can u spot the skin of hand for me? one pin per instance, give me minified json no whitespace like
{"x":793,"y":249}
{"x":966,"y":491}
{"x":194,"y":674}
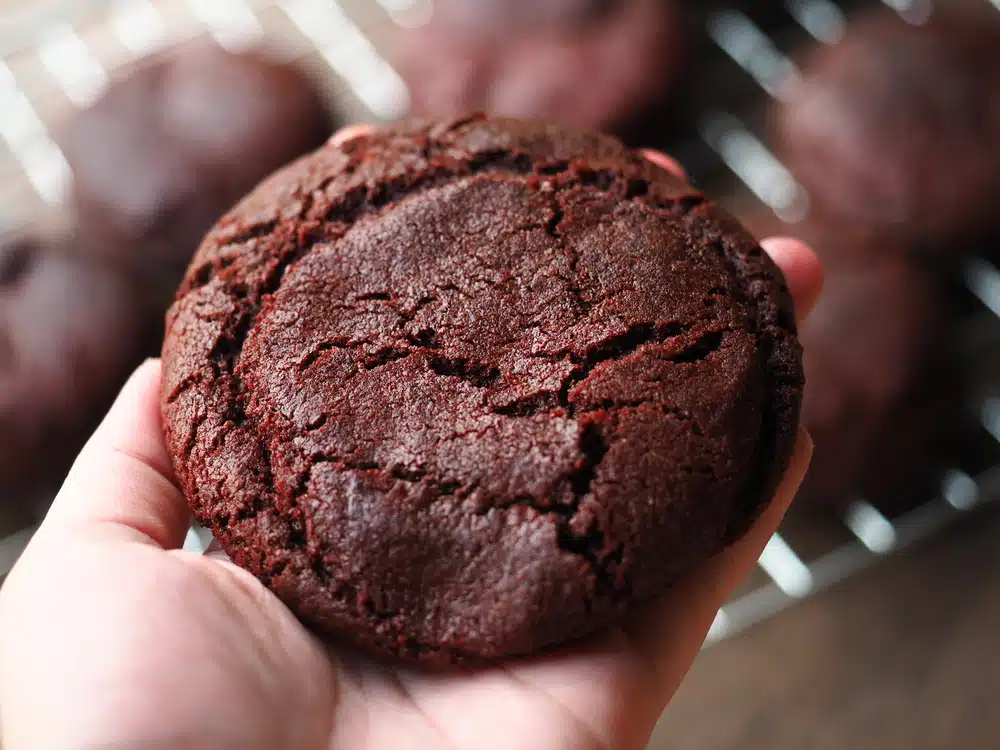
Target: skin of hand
{"x":111,"y":637}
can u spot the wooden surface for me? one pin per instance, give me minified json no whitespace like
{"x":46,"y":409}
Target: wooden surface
{"x":905,"y":656}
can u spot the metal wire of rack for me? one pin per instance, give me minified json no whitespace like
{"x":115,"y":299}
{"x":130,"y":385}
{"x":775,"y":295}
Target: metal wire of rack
{"x":62,"y":55}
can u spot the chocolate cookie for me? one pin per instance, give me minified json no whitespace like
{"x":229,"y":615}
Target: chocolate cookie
{"x":586,"y":63}
{"x":70,"y":333}
{"x":500,"y":17}
{"x":174,"y":145}
{"x":466,"y":390}
{"x":883,"y":396}
{"x":880,"y":401}
{"x":897,"y":128}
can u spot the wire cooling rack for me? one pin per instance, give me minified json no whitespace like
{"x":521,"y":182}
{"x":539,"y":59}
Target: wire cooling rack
{"x":58,"y":56}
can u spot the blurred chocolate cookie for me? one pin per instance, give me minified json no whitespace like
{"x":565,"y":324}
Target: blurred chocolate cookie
{"x":70,"y":333}
{"x":897,"y":128}
{"x":489,"y":17}
{"x":880,"y":399}
{"x":883,"y":396}
{"x":168,"y":149}
{"x":585,"y":63}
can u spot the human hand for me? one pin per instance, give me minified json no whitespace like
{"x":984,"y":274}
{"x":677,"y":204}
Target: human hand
{"x":112,"y":637}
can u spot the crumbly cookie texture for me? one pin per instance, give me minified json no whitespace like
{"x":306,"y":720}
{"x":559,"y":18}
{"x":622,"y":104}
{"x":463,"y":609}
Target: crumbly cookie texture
{"x":466,"y":390}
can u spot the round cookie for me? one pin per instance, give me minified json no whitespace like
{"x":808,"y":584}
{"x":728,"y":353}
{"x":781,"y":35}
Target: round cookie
{"x":585,"y":63}
{"x":466,"y":390}
{"x":897,"y":128}
{"x":500,"y":17}
{"x":171,"y":147}
{"x":883,"y":399}
{"x":70,"y":333}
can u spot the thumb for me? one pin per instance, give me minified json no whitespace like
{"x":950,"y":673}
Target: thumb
{"x":122,"y":482}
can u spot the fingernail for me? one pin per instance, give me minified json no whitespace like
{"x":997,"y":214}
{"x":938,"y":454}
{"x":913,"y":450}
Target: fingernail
{"x":665,"y":162}
{"x":349,"y":133}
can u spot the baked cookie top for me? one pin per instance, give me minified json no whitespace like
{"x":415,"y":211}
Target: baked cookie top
{"x":465,"y":390}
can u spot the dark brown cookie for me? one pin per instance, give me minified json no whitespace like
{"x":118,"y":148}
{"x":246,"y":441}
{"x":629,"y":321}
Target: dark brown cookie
{"x":586,"y":63}
{"x":881,"y":400}
{"x":467,"y":390}
{"x":897,"y":128}
{"x":883,"y":397}
{"x":70,"y":333}
{"x":500,"y":17}
{"x":174,"y":145}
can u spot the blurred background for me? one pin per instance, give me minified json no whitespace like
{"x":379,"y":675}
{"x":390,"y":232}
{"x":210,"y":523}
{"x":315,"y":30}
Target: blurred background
{"x":869,"y":128}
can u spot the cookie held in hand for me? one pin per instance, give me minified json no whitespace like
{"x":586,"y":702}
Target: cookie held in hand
{"x":466,"y":390}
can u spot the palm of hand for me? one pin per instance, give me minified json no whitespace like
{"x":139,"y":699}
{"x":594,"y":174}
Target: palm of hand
{"x":190,"y":651}
{"x":111,"y":637}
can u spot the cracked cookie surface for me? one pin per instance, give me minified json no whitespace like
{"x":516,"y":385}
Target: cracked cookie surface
{"x":465,"y":390}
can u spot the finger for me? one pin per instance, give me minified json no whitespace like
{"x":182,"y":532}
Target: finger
{"x":349,"y":133}
{"x":802,"y":268}
{"x":669,"y":634}
{"x":122,"y":480}
{"x":663,"y":161}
